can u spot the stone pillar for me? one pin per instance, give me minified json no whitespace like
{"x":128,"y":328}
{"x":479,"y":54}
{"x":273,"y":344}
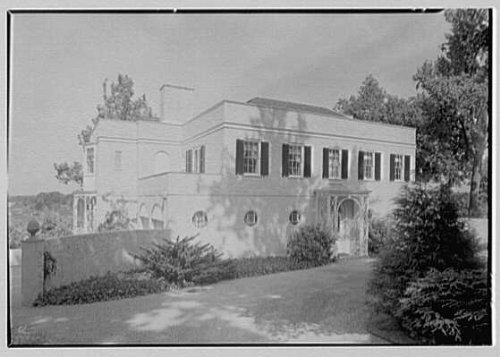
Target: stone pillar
{"x":32,"y":269}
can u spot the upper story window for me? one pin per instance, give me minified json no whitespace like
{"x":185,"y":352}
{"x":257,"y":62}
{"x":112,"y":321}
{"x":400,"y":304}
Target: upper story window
{"x":399,"y":167}
{"x":118,"y":160}
{"x":252,"y":157}
{"x":195,"y":160}
{"x":335,"y":163}
{"x":369,"y":164}
{"x":90,"y":160}
{"x":296,"y":160}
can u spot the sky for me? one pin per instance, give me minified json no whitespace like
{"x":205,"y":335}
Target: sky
{"x":59,"y":62}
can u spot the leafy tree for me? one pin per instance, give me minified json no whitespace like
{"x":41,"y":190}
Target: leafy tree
{"x":375,"y":104}
{"x":117,"y":104}
{"x":67,"y":173}
{"x":454,"y":91}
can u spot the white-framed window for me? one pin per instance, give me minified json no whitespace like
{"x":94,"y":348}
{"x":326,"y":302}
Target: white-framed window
{"x":398,"y":167}
{"x":118,"y":160}
{"x":251,"y":218}
{"x":334,"y":163}
{"x":368,"y":165}
{"x":295,"y":217}
{"x":251,"y":158}
{"x":295,"y":160}
{"x":90,"y":160}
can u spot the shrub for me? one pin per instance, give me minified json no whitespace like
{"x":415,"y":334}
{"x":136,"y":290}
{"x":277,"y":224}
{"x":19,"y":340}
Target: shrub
{"x":429,"y":235}
{"x":379,"y":233}
{"x":180,"y":262}
{"x":448,"y":307}
{"x":256,"y":266}
{"x":310,"y":244}
{"x":115,"y":220}
{"x":112,"y":286}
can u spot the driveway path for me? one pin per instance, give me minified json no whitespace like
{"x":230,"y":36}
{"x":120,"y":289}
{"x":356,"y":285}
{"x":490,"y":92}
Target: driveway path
{"x":325,"y":305}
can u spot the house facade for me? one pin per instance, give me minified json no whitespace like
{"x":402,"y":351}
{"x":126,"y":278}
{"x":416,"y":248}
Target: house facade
{"x":244,"y":176}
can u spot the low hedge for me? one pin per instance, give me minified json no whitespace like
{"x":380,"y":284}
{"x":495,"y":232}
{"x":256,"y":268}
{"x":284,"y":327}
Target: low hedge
{"x":115,"y":286}
{"x":248,"y":267}
{"x":112,"y":286}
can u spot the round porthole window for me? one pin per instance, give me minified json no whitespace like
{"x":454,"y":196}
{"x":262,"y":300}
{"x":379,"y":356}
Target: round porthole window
{"x":251,"y":218}
{"x":200,"y":219}
{"x":294,"y":217}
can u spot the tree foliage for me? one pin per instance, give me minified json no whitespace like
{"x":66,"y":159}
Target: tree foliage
{"x":374,"y":103}
{"x":454,"y":92}
{"x":119,"y":104}
{"x":67,"y":173}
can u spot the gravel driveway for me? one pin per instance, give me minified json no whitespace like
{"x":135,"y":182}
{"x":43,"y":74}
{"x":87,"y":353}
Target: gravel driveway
{"x":321,"y":305}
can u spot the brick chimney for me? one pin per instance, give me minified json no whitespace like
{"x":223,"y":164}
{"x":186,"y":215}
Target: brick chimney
{"x":176,"y":103}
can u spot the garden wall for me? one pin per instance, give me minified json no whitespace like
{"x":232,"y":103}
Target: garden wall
{"x":79,"y":257}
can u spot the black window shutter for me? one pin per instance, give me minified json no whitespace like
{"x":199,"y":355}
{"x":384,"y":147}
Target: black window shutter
{"x":377,"y":166}
{"x":407,"y":168}
{"x":202,"y":159}
{"x":345,"y":164}
{"x":391,"y":167}
{"x":361,"y":157}
{"x":325,"y":162}
{"x":284,"y":160}
{"x":264,"y":159}
{"x":307,"y":161}
{"x":239,"y":157}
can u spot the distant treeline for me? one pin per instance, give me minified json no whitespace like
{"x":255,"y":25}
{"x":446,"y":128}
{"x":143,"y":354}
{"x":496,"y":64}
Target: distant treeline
{"x":43,"y":200}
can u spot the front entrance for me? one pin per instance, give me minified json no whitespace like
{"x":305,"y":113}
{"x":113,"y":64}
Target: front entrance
{"x":343,"y":211}
{"x":348,"y":226}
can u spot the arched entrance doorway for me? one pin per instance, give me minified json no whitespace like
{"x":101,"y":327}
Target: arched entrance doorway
{"x":348,"y":226}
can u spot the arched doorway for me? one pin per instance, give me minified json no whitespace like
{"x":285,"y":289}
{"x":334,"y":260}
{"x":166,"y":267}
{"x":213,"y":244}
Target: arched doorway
{"x":348,"y":226}
{"x":157,"y":217}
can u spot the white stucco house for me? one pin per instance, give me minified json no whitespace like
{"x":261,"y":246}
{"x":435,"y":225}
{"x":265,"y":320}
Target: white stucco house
{"x":243,"y":176}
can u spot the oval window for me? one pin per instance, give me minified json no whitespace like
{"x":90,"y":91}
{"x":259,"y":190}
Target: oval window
{"x":251,"y":218}
{"x":200,"y":219}
{"x":294,"y":217}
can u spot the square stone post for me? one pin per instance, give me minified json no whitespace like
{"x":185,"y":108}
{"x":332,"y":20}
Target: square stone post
{"x":32,"y":269}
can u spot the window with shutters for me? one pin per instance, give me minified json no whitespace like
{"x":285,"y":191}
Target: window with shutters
{"x":368,"y":163}
{"x":334,"y":163}
{"x":251,"y":158}
{"x":295,"y":162}
{"x":398,"y":167}
{"x":195,"y":160}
